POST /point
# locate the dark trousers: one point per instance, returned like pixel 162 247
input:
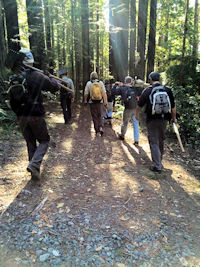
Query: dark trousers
pixel 35 129
pixel 156 135
pixel 66 107
pixel 97 115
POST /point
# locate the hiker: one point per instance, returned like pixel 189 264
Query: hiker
pixel 160 108
pixel 129 98
pixel 96 91
pixel 107 113
pixel 66 98
pixel 29 108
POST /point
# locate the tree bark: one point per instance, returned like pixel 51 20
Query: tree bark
pixel 97 40
pixel 36 30
pixel 2 41
pixel 152 38
pixel 196 30
pixel 141 38
pixel 185 29
pixel 85 41
pixel 12 26
pixel 132 37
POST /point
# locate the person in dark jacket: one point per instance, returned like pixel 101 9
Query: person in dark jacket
pixel 66 98
pixel 30 115
pixel 156 123
pixel 130 102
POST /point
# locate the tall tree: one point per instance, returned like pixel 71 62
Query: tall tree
pixel 152 38
pixel 47 27
pixel 12 26
pixel 97 40
pixel 85 40
pixel 36 29
pixel 112 41
pixel 185 28
pixel 119 37
pixel 2 40
pixel 77 46
pixel 196 29
pixel 141 37
pixel 132 37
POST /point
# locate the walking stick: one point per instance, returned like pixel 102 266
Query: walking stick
pixel 178 136
pixel 55 77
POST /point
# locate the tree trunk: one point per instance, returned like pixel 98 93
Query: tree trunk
pixel 2 41
pixel 47 28
pixel 185 29
pixel 36 30
pixel 97 40
pixel 119 38
pixel 112 44
pixel 196 29
pixel 132 37
pixel 12 26
pixel 85 41
pixel 141 38
pixel 152 38
pixel 77 49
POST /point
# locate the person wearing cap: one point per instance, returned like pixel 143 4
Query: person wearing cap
pixel 30 115
pixel 156 123
pixel 129 111
pixel 66 98
pixel 96 105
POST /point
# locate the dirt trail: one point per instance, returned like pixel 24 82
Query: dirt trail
pixel 116 211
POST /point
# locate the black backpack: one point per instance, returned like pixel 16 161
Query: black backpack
pixel 108 91
pixel 18 92
pixel 131 98
pixel 21 100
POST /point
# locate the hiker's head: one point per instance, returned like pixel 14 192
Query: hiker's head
pixel 28 59
pixel 128 80
pixel 93 76
pixel 107 81
pixel 154 77
pixel 62 72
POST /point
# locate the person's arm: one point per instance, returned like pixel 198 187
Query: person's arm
pixel 86 93
pixel 105 99
pixel 173 112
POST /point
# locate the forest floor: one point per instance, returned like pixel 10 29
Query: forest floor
pixel 97 203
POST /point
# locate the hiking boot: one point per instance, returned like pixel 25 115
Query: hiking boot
pixel 121 137
pixel 101 131
pixel 154 169
pixel 34 172
pixel 136 143
pixel 34 178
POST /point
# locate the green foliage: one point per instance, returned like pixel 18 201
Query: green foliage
pixel 119 111
pixel 185 83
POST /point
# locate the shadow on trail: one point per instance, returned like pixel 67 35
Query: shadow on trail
pixel 92 189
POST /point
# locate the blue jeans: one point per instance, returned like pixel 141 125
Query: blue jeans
pixel 129 115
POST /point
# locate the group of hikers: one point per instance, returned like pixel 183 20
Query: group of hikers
pixel 26 100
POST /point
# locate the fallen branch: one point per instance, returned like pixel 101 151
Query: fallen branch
pixel 39 206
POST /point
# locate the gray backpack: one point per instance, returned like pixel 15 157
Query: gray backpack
pixel 159 100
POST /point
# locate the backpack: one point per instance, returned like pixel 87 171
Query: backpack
pixel 95 91
pixel 131 100
pixel 18 92
pixel 159 100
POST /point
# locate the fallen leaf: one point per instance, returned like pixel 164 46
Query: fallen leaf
pixel 60 205
pixel 123 218
pixel 99 248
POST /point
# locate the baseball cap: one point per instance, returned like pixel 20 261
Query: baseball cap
pixel 155 76
pixel 28 56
